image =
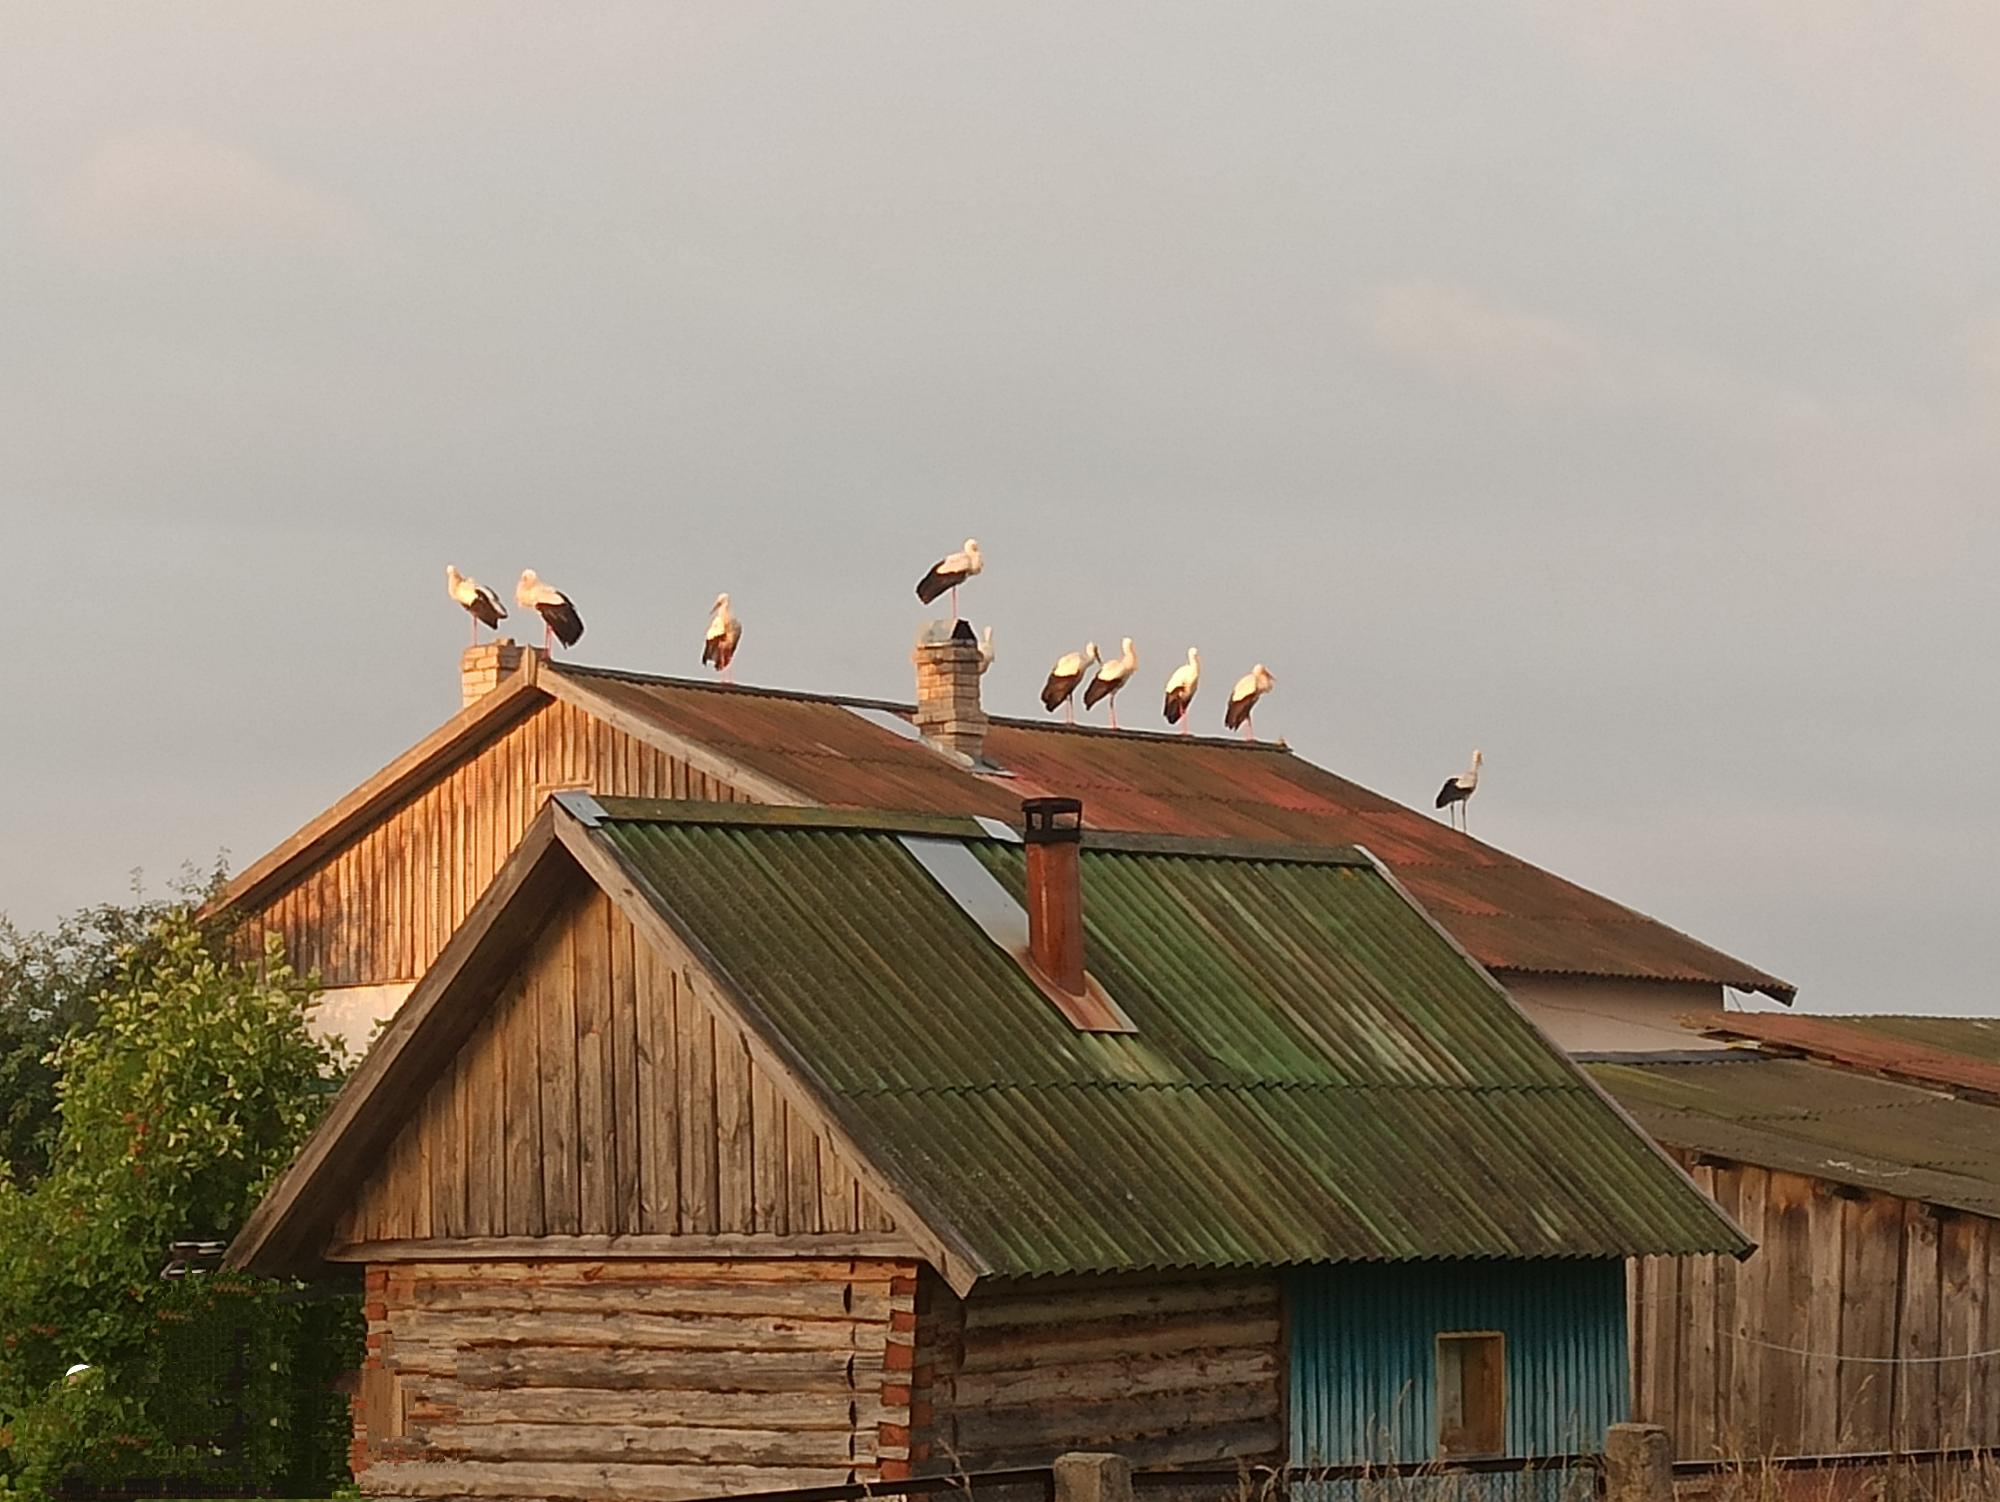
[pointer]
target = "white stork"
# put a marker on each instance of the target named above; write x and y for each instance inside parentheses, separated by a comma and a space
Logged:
(1243, 698)
(1065, 676)
(718, 648)
(985, 650)
(480, 602)
(1181, 687)
(1110, 678)
(559, 617)
(950, 572)
(1456, 795)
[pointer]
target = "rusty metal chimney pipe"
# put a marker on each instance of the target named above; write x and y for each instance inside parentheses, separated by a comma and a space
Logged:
(1052, 829)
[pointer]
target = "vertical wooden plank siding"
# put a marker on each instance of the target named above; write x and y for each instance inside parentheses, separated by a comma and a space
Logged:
(645, 1381)
(1164, 1370)
(1841, 1279)
(379, 909)
(539, 1129)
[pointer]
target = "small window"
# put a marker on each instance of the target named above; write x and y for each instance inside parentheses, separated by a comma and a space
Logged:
(1471, 1394)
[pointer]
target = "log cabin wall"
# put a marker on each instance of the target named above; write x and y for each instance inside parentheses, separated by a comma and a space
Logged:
(1163, 1369)
(378, 909)
(599, 1097)
(642, 1381)
(1838, 1271)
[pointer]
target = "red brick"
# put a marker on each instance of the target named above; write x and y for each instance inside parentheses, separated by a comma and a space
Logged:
(922, 1413)
(374, 1310)
(902, 1320)
(895, 1395)
(895, 1470)
(903, 1284)
(892, 1434)
(921, 1451)
(897, 1358)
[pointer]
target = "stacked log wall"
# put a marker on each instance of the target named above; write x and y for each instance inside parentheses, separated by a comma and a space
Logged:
(1846, 1332)
(1165, 1370)
(377, 910)
(634, 1380)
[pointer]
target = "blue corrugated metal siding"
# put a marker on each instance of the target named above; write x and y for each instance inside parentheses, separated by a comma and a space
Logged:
(1363, 1344)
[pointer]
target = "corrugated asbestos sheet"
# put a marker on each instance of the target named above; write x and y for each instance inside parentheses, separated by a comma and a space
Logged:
(1962, 1053)
(1316, 1074)
(1974, 1037)
(1826, 1122)
(1512, 915)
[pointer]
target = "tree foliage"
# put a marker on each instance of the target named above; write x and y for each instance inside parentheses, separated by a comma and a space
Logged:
(193, 1086)
(49, 983)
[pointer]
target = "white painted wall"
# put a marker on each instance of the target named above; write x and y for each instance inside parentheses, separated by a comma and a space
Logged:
(350, 1013)
(1589, 1015)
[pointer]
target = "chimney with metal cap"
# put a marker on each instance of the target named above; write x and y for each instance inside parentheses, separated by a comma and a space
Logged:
(948, 712)
(1052, 829)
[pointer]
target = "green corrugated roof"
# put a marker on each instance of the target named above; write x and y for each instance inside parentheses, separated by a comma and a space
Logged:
(1975, 1037)
(1815, 1119)
(1316, 1073)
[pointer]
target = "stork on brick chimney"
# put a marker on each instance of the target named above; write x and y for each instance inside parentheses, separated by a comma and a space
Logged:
(948, 712)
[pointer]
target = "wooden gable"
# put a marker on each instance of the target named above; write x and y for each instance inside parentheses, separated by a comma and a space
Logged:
(377, 907)
(599, 1096)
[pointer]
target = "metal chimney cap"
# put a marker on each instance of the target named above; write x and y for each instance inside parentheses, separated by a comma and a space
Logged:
(1051, 821)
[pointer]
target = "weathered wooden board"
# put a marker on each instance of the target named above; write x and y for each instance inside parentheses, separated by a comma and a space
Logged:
(379, 908)
(1839, 1335)
(601, 1097)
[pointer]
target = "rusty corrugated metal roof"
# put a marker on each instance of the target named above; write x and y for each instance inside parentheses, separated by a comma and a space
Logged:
(1819, 1120)
(1954, 1052)
(1509, 914)
(1316, 1073)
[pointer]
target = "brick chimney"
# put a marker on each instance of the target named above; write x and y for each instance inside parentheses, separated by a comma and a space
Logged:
(1052, 831)
(483, 668)
(948, 712)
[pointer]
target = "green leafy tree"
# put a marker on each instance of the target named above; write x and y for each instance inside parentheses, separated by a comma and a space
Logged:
(194, 1085)
(49, 983)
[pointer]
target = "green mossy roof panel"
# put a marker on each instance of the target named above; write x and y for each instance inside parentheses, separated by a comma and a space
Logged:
(1316, 1073)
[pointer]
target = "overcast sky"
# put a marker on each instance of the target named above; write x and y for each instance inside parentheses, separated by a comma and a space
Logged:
(1615, 388)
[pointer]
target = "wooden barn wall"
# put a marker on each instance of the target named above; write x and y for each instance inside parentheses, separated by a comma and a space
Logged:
(1165, 1370)
(598, 1096)
(632, 1380)
(380, 908)
(1838, 1272)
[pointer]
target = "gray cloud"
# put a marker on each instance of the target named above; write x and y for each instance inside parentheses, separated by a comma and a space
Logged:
(1612, 388)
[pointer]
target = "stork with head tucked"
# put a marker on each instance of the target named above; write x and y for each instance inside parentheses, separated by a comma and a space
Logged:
(1243, 698)
(1181, 687)
(1110, 678)
(559, 617)
(985, 650)
(949, 572)
(1455, 797)
(718, 648)
(480, 602)
(1065, 676)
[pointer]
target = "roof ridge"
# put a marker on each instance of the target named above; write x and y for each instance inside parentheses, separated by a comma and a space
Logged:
(988, 1087)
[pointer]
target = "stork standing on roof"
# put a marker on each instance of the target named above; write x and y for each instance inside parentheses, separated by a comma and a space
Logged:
(559, 617)
(1181, 685)
(1243, 698)
(1110, 678)
(985, 650)
(950, 572)
(1455, 797)
(1065, 676)
(480, 602)
(718, 648)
